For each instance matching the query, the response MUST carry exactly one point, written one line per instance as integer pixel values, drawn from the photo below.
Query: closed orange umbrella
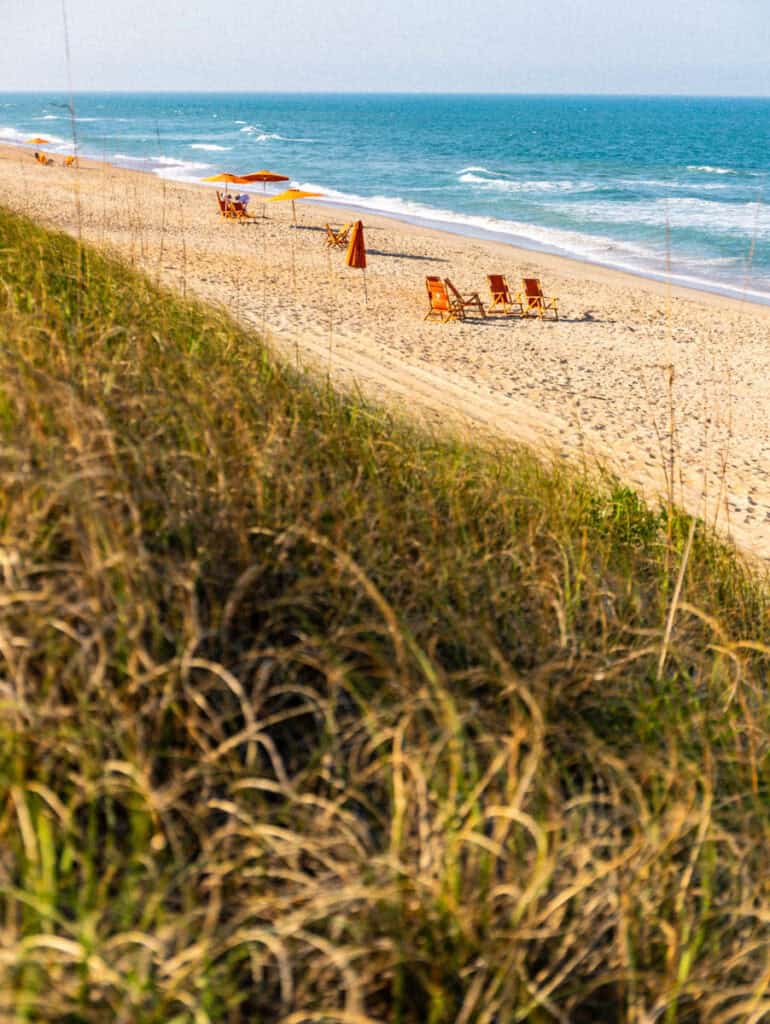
(356, 254)
(292, 194)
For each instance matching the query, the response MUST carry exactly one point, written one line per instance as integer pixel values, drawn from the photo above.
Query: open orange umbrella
(38, 141)
(356, 253)
(264, 177)
(231, 179)
(292, 194)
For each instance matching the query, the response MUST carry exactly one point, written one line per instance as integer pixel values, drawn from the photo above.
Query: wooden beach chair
(442, 307)
(538, 304)
(501, 297)
(224, 210)
(337, 239)
(239, 212)
(470, 301)
(231, 209)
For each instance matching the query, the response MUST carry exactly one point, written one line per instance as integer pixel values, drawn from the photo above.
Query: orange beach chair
(231, 209)
(537, 303)
(501, 297)
(337, 239)
(442, 307)
(238, 211)
(470, 301)
(41, 158)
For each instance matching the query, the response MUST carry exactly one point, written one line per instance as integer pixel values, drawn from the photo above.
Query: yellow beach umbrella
(292, 194)
(38, 141)
(231, 179)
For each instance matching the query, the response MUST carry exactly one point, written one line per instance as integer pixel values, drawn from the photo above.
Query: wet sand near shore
(629, 359)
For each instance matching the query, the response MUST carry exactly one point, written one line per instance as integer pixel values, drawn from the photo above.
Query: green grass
(308, 716)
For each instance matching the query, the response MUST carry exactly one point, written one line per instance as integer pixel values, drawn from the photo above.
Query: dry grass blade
(308, 716)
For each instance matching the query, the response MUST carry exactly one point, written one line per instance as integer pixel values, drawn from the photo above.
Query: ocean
(665, 187)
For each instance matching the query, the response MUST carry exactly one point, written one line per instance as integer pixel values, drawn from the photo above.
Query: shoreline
(630, 361)
(679, 281)
(462, 225)
(526, 245)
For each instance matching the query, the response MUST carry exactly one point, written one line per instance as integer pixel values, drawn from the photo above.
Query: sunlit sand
(667, 387)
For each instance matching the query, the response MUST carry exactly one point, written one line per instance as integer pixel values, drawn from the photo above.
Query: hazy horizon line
(387, 92)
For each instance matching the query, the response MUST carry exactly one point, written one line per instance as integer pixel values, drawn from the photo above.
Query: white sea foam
(621, 255)
(165, 166)
(707, 169)
(65, 117)
(210, 147)
(173, 161)
(263, 136)
(566, 241)
(8, 134)
(11, 135)
(474, 170)
(506, 185)
(719, 261)
(677, 186)
(682, 212)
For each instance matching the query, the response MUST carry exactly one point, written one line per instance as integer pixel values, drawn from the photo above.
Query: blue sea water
(673, 187)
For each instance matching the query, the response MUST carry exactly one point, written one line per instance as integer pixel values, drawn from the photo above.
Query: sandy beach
(629, 359)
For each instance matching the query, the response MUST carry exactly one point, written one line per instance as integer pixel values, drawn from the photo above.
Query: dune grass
(307, 716)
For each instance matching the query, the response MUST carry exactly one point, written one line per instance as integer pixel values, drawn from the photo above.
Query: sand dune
(629, 359)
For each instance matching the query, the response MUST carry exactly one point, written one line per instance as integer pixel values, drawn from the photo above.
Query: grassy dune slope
(307, 716)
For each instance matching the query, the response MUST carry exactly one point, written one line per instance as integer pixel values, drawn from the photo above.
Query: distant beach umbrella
(291, 195)
(38, 141)
(356, 252)
(231, 179)
(264, 177)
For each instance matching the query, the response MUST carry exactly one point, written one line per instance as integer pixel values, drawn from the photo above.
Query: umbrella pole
(294, 212)
(366, 296)
(332, 306)
(264, 280)
(293, 267)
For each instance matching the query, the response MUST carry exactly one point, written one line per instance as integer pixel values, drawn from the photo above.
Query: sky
(692, 47)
